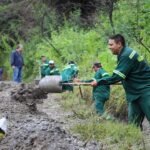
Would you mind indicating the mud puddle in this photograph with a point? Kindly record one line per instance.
(31, 128)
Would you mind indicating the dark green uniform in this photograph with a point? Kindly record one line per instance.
(134, 73)
(68, 74)
(52, 71)
(100, 93)
(44, 66)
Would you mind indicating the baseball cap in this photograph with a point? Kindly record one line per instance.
(51, 62)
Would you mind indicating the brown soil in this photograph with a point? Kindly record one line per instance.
(35, 129)
(37, 121)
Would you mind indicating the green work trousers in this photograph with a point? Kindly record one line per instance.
(138, 109)
(99, 103)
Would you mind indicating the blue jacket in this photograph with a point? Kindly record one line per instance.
(17, 59)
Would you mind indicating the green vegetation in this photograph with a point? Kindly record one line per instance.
(113, 135)
(81, 107)
(41, 33)
(72, 34)
(84, 107)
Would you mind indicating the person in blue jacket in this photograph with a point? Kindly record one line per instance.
(17, 63)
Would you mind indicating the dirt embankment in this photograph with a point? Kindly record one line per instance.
(31, 129)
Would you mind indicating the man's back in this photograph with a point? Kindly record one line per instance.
(69, 72)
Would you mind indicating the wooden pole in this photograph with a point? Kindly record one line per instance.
(83, 83)
(80, 91)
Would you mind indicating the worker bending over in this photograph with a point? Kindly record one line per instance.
(100, 93)
(134, 73)
(68, 74)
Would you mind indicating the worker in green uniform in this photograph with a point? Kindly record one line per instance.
(44, 65)
(52, 69)
(134, 73)
(100, 93)
(68, 74)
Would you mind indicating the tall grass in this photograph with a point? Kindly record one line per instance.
(114, 135)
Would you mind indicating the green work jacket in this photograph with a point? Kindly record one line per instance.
(52, 71)
(44, 66)
(100, 91)
(134, 73)
(69, 72)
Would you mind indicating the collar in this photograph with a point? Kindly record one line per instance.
(99, 69)
(122, 50)
(18, 52)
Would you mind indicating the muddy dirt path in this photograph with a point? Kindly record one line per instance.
(44, 128)
(51, 106)
(31, 129)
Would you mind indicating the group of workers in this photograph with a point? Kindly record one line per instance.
(134, 74)
(132, 71)
(70, 71)
(69, 74)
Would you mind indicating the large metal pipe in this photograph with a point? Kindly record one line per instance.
(51, 84)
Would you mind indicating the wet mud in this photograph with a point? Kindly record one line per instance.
(31, 128)
(29, 94)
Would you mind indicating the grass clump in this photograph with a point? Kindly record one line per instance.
(113, 135)
(81, 107)
(117, 104)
